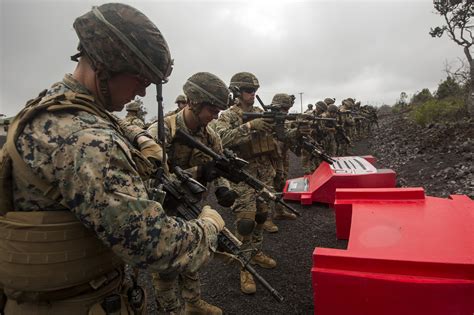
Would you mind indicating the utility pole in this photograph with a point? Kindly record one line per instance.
(301, 100)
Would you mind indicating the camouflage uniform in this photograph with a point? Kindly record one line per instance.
(180, 99)
(132, 115)
(284, 102)
(309, 162)
(189, 159)
(347, 121)
(233, 133)
(329, 127)
(75, 172)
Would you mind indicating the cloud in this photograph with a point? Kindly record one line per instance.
(371, 50)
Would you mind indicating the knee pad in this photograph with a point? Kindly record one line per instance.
(245, 226)
(261, 217)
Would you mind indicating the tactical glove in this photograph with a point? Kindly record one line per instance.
(212, 216)
(207, 172)
(149, 148)
(261, 124)
(225, 196)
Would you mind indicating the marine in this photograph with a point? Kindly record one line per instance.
(181, 101)
(134, 116)
(252, 141)
(207, 95)
(72, 177)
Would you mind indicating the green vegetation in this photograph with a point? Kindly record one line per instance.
(447, 103)
(432, 111)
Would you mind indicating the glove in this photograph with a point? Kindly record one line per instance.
(212, 216)
(225, 196)
(261, 124)
(149, 148)
(207, 172)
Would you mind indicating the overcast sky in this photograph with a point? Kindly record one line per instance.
(370, 50)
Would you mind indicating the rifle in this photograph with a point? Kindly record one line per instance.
(230, 167)
(315, 150)
(183, 194)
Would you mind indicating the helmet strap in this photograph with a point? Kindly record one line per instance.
(102, 77)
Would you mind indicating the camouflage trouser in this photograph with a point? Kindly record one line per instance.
(306, 162)
(169, 290)
(247, 207)
(330, 144)
(282, 172)
(342, 148)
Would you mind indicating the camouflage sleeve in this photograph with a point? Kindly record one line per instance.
(153, 131)
(138, 122)
(99, 183)
(230, 129)
(216, 146)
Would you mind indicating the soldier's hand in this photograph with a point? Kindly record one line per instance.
(212, 216)
(225, 196)
(331, 130)
(208, 172)
(261, 124)
(149, 148)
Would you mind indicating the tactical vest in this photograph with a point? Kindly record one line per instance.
(192, 157)
(47, 255)
(260, 143)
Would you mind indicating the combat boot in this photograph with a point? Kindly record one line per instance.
(201, 307)
(284, 215)
(247, 284)
(263, 260)
(270, 227)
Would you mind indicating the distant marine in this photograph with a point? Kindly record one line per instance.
(4, 123)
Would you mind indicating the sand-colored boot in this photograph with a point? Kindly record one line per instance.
(270, 227)
(247, 284)
(284, 215)
(281, 213)
(201, 307)
(263, 260)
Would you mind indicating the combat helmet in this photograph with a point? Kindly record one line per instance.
(133, 106)
(282, 100)
(329, 101)
(333, 108)
(205, 87)
(118, 38)
(244, 80)
(348, 103)
(320, 105)
(181, 99)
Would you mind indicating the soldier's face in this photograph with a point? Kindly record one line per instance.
(182, 105)
(248, 95)
(123, 88)
(207, 114)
